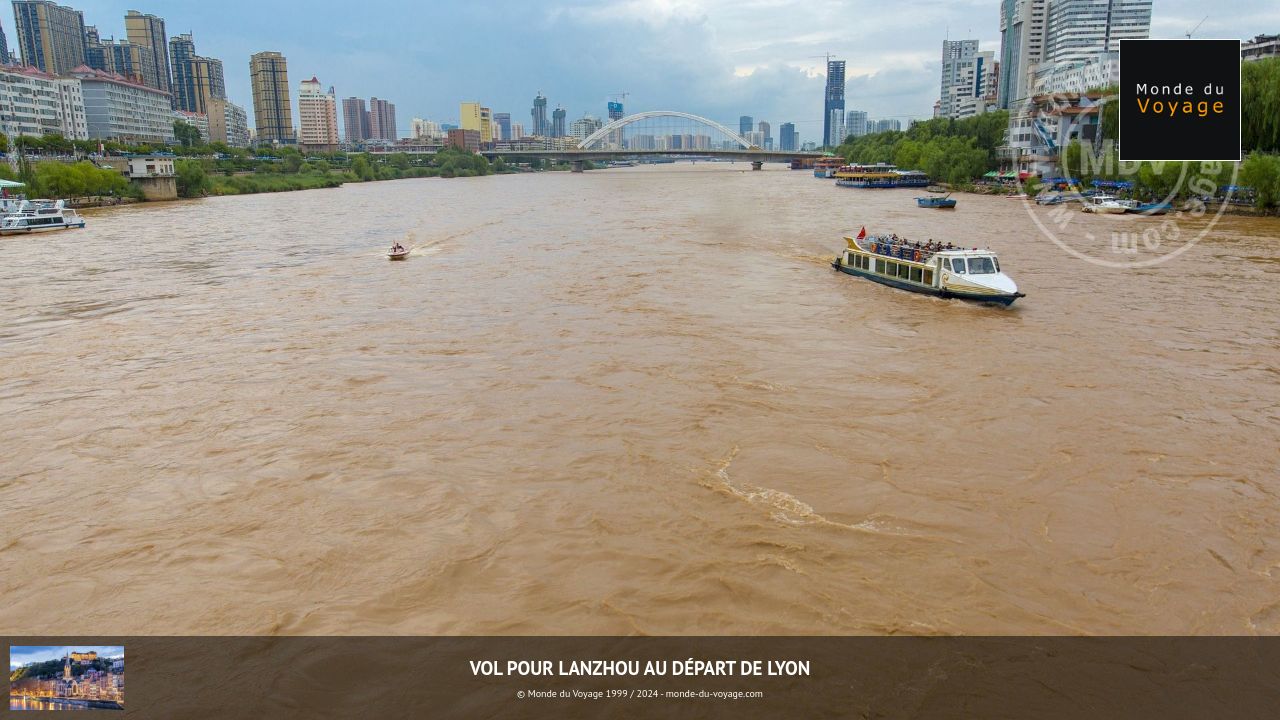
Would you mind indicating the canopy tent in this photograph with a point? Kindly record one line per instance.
(1010, 175)
(10, 183)
(991, 174)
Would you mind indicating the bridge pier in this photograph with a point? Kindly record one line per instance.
(579, 166)
(757, 164)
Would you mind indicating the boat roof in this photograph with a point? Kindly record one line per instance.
(953, 252)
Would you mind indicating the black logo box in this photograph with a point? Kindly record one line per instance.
(1188, 64)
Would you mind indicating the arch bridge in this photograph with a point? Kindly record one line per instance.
(609, 143)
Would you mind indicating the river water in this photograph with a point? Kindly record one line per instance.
(627, 401)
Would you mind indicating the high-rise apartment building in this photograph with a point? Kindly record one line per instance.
(317, 117)
(1022, 36)
(517, 131)
(181, 49)
(967, 75)
(1080, 30)
(136, 62)
(833, 104)
(558, 128)
(50, 36)
(855, 123)
(746, 124)
(272, 111)
(4, 47)
(355, 120)
(37, 103)
(148, 31)
(541, 128)
(228, 123)
(382, 120)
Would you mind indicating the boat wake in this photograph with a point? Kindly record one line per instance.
(787, 508)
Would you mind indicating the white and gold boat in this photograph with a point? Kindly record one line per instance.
(945, 272)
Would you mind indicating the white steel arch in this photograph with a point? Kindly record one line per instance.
(623, 122)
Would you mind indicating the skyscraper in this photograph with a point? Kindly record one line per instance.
(967, 74)
(4, 47)
(355, 120)
(833, 104)
(1079, 30)
(50, 36)
(382, 120)
(502, 121)
(745, 125)
(181, 49)
(317, 117)
(765, 131)
(272, 112)
(539, 113)
(558, 122)
(469, 116)
(148, 31)
(788, 140)
(136, 62)
(855, 123)
(1022, 25)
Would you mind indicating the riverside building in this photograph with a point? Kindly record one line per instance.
(317, 117)
(117, 108)
(36, 103)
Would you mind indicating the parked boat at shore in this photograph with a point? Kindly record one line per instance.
(40, 216)
(1159, 208)
(826, 167)
(944, 272)
(1107, 205)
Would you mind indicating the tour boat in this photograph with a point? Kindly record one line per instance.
(1108, 205)
(879, 175)
(826, 167)
(953, 273)
(944, 203)
(398, 253)
(40, 216)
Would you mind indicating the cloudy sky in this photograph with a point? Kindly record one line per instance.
(20, 655)
(717, 58)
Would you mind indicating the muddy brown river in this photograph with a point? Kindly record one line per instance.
(627, 401)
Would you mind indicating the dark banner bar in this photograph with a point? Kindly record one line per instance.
(696, 677)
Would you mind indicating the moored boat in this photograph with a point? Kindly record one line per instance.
(40, 216)
(943, 203)
(1107, 205)
(946, 272)
(826, 167)
(1159, 208)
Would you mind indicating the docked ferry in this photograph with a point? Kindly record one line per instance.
(950, 273)
(879, 175)
(826, 167)
(40, 216)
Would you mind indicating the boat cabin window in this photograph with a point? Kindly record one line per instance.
(915, 274)
(981, 266)
(903, 270)
(957, 265)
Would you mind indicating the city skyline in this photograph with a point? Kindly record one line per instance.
(727, 59)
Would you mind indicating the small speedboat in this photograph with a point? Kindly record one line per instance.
(398, 252)
(1050, 200)
(1159, 208)
(943, 203)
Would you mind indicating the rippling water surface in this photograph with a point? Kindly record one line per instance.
(630, 401)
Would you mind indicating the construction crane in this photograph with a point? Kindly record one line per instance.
(1197, 27)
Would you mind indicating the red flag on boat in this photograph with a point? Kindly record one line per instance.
(863, 232)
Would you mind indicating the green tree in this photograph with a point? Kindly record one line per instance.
(192, 179)
(1262, 173)
(1260, 97)
(362, 169)
(187, 135)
